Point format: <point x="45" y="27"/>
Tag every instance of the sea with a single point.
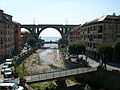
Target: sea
<point x="51" y="39"/>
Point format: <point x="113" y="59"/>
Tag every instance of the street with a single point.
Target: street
<point x="1" y="76"/>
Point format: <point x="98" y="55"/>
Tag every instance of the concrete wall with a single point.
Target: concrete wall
<point x="106" y="79"/>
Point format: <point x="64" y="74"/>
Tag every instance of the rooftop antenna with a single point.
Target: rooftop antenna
<point x="33" y="20"/>
<point x="66" y="21"/>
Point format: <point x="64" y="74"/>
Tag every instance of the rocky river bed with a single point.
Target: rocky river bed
<point x="49" y="60"/>
<point x="44" y="60"/>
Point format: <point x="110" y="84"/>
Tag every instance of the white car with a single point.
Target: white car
<point x="7" y="72"/>
<point x="9" y="62"/>
<point x="73" y="56"/>
<point x="10" y="86"/>
<point x="4" y="67"/>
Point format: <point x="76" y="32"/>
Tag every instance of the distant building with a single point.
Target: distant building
<point x="6" y="35"/>
<point x="17" y="36"/>
<point x="25" y="36"/>
<point x="98" y="31"/>
<point x="74" y="35"/>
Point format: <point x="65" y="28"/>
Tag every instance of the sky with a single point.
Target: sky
<point x="58" y="11"/>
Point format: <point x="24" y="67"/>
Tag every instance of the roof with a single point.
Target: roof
<point x="96" y="20"/>
<point x="15" y="22"/>
<point x="5" y="17"/>
<point x="100" y="19"/>
<point x="75" y="29"/>
<point x="24" y="31"/>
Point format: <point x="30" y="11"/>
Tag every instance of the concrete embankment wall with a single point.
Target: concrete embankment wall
<point x="106" y="79"/>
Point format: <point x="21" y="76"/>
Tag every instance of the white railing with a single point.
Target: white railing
<point x="54" y="75"/>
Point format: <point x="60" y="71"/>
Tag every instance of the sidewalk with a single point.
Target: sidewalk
<point x="1" y="76"/>
<point x="94" y="63"/>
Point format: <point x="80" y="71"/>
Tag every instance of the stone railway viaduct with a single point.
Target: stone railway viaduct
<point x="37" y="29"/>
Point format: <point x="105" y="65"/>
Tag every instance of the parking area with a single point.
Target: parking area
<point x="5" y="70"/>
<point x="6" y="73"/>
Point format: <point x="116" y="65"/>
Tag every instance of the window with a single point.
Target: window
<point x="95" y="36"/>
<point x="94" y="45"/>
<point x="99" y="36"/>
<point x="116" y="19"/>
<point x="109" y="19"/>
<point x="88" y="30"/>
<point x="100" y="29"/>
<point x="1" y="40"/>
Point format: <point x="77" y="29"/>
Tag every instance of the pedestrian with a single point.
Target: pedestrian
<point x="86" y="58"/>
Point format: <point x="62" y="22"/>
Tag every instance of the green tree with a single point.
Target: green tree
<point x="117" y="51"/>
<point x="40" y="40"/>
<point x="61" y="43"/>
<point x="32" y="42"/>
<point x="106" y="52"/>
<point x="76" y="48"/>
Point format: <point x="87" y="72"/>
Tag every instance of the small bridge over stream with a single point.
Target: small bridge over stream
<point x="50" y="42"/>
<point x="57" y="75"/>
<point x="109" y="79"/>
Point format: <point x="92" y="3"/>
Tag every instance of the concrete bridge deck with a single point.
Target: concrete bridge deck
<point x="108" y="79"/>
<point x="49" y="42"/>
<point x="57" y="75"/>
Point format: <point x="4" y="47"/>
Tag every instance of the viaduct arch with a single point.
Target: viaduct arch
<point x="37" y="29"/>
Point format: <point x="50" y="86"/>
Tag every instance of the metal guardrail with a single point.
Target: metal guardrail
<point x="60" y="74"/>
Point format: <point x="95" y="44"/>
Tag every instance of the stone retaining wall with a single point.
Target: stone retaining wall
<point x="106" y="79"/>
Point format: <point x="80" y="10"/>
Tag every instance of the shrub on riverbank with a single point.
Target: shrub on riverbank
<point x="20" y="70"/>
<point x="44" y="86"/>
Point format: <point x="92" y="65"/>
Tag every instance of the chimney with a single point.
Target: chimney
<point x="1" y="11"/>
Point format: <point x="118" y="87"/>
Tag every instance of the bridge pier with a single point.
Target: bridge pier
<point x="61" y="83"/>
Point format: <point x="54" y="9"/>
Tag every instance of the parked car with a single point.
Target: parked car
<point x="10" y="86"/>
<point x="4" y="67"/>
<point x="9" y="62"/>
<point x="7" y="72"/>
<point x="73" y="56"/>
<point x="10" y="81"/>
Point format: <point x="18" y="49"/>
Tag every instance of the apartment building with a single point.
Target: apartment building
<point x="25" y="36"/>
<point x="17" y="37"/>
<point x="6" y="35"/>
<point x="102" y="29"/>
<point x="74" y="35"/>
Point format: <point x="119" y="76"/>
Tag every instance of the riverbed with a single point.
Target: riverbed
<point x="52" y="58"/>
